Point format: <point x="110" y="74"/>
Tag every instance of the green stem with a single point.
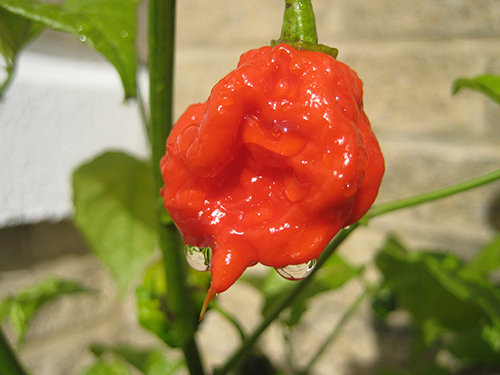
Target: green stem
<point x="283" y="303"/>
<point x="9" y="363"/>
<point x="299" y="22"/>
<point x="433" y="195"/>
<point x="299" y="28"/>
<point x="144" y="114"/>
<point x="161" y="80"/>
<point x="345" y="318"/>
<point x="230" y="319"/>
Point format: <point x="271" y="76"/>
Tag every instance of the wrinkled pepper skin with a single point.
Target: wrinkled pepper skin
<point x="274" y="164"/>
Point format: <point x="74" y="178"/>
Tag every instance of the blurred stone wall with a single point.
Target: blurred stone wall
<point x="407" y="53"/>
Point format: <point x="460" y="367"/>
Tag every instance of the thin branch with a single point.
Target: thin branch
<point x="433" y="195"/>
<point x="338" y="328"/>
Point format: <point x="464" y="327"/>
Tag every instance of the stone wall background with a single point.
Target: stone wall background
<point x="407" y="53"/>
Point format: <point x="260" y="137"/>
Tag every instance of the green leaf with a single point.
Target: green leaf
<point x="107" y="368"/>
<point x="9" y="361"/>
<point x="115" y="210"/>
<point x="487" y="259"/>
<point x="19" y="309"/>
<point x="15" y="33"/>
<point x="108" y="26"/>
<point x="152" y="306"/>
<point x="440" y="297"/>
<point x="487" y="84"/>
<point x="470" y="347"/>
<point x="150" y="361"/>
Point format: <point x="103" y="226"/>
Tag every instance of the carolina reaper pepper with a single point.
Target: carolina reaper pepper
<point x="278" y="159"/>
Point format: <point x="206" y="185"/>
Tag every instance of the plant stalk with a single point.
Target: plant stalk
<point x="338" y="328"/>
<point x="180" y="303"/>
<point x="433" y="195"/>
<point x="299" y="22"/>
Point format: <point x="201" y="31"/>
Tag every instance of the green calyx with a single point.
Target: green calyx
<point x="301" y="45"/>
<point x="299" y="28"/>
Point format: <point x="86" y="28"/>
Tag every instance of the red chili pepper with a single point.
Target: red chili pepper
<point x="274" y="164"/>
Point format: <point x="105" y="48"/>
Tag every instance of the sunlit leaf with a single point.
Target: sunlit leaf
<point x="150" y="361"/>
<point x="115" y="210"/>
<point x="487" y="259"/>
<point x="152" y="307"/>
<point x="20" y="308"/>
<point x="487" y="84"/>
<point x="106" y="368"/>
<point x="108" y="26"/>
<point x="15" y="33"/>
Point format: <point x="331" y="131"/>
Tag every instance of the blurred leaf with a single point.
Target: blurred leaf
<point x="486" y="84"/>
<point x="115" y="209"/>
<point x="438" y="295"/>
<point x="486" y="260"/>
<point x="107" y="368"/>
<point x="19" y="309"/>
<point x="384" y="302"/>
<point x="152" y="307"/>
<point x="334" y="273"/>
<point x="108" y="26"/>
<point x="470" y="347"/>
<point x="151" y="301"/>
<point x="15" y="33"/>
<point x="9" y="362"/>
<point x="150" y="361"/>
<point x="419" y="369"/>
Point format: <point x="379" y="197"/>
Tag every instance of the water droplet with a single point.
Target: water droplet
<point x="297" y="271"/>
<point x="82" y="38"/>
<point x="349" y="188"/>
<point x="198" y="257"/>
<point x="123" y="34"/>
<point x="78" y="28"/>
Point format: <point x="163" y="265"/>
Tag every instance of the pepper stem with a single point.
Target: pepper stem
<point x="299" y="28"/>
<point x="299" y="22"/>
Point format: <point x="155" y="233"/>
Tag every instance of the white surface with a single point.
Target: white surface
<point x="58" y="113"/>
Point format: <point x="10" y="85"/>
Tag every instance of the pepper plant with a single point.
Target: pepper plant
<point x="118" y="190"/>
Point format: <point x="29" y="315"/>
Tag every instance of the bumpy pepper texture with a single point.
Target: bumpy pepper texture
<point x="274" y="164"/>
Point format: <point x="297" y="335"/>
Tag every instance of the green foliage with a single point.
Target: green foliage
<point x="153" y="311"/>
<point x="110" y="367"/>
<point x="149" y="361"/>
<point x="454" y="305"/>
<point x="19" y="309"/>
<point x="151" y="305"/>
<point x="486" y="260"/>
<point x="334" y="273"/>
<point x="487" y="84"/>
<point x="15" y="33"/>
<point x="115" y="210"/>
<point x="108" y="26"/>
